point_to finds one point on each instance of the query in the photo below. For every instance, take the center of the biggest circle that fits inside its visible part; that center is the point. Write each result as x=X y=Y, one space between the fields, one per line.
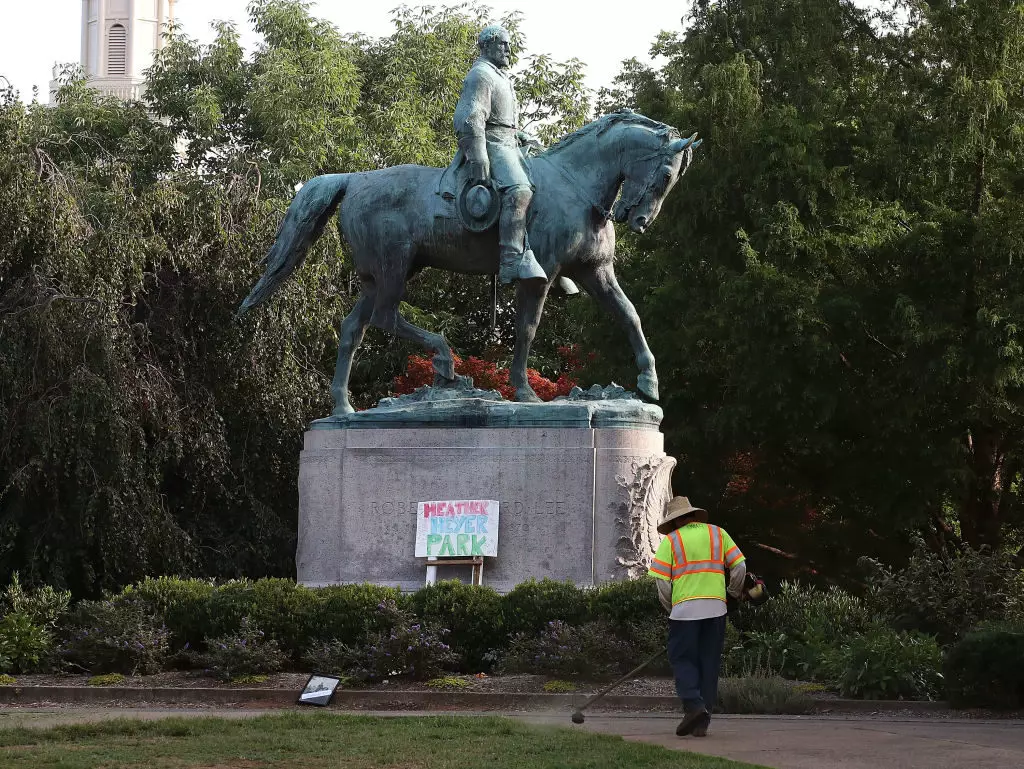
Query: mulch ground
x=492 y=684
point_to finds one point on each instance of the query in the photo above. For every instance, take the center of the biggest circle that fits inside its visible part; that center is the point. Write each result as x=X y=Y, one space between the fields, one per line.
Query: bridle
x=622 y=206
x=602 y=211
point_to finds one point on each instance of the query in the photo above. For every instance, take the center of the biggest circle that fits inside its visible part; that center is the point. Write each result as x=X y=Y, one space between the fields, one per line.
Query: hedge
x=986 y=668
x=300 y=620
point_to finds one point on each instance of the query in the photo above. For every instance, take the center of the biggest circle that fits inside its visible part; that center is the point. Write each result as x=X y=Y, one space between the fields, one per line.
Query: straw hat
x=680 y=507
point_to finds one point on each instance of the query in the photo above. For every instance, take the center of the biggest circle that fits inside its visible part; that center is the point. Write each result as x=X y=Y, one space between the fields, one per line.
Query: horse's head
x=648 y=179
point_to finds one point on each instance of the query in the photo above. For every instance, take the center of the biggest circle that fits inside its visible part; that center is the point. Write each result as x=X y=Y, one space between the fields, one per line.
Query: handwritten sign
x=454 y=529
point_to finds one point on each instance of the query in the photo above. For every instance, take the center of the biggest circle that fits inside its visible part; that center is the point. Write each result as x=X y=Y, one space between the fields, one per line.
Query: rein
x=602 y=211
x=577 y=188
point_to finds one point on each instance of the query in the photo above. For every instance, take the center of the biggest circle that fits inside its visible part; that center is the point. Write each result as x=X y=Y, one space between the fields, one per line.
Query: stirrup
x=522 y=266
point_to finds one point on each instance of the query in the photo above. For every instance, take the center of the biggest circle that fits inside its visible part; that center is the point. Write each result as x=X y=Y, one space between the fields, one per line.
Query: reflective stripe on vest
x=698 y=563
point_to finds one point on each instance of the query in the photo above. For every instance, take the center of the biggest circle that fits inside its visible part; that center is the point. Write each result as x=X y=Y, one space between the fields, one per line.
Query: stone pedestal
x=577 y=503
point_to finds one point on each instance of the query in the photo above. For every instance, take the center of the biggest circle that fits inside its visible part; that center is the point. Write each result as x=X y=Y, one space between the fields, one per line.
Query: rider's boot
x=517 y=259
x=520 y=266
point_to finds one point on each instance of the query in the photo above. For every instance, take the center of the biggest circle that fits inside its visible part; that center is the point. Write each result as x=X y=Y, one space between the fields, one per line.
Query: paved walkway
x=831 y=743
x=785 y=742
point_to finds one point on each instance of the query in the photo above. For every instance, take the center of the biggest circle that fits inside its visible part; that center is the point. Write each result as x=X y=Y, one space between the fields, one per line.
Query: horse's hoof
x=343 y=410
x=647 y=386
x=458 y=380
x=527 y=395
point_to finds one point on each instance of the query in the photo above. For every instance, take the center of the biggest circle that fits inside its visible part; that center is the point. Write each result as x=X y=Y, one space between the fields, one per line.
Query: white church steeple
x=119 y=38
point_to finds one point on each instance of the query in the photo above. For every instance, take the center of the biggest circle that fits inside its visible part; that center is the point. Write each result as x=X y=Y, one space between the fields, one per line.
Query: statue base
x=580 y=490
x=466 y=406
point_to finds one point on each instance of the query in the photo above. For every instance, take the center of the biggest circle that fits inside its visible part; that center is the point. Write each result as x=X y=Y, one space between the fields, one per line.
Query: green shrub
x=107 y=679
x=626 y=604
x=184 y=605
x=645 y=639
x=350 y=613
x=6 y=680
x=761 y=695
x=23 y=644
x=44 y=606
x=592 y=651
x=732 y=649
x=409 y=649
x=247 y=651
x=119 y=635
x=288 y=612
x=293 y=615
x=229 y=604
x=328 y=657
x=945 y=595
x=472 y=614
x=791 y=634
x=530 y=606
x=986 y=668
x=886 y=664
x=763 y=654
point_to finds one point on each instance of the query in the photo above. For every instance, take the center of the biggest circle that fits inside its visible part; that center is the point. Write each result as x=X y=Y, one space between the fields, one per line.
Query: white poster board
x=461 y=528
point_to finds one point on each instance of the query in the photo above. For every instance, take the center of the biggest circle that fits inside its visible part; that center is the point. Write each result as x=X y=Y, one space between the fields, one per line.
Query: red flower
x=489 y=376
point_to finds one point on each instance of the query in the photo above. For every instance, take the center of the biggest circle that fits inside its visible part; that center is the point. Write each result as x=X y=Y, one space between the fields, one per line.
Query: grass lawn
x=314 y=740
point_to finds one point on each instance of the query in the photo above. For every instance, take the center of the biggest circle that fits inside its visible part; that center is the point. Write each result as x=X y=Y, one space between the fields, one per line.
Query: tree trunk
x=980 y=520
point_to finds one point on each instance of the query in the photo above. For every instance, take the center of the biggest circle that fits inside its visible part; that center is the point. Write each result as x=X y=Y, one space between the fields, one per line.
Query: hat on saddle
x=680 y=508
x=478 y=205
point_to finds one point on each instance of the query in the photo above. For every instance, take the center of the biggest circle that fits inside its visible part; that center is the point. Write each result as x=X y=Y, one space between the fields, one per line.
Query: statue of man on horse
x=398 y=221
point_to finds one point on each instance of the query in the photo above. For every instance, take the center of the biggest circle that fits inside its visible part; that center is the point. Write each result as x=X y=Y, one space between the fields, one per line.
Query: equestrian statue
x=503 y=207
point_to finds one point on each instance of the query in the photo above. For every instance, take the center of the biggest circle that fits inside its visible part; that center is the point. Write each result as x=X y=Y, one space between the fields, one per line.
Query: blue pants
x=695 y=653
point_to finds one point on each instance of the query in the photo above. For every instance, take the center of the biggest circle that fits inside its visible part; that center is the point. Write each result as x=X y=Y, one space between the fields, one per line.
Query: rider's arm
x=471 y=115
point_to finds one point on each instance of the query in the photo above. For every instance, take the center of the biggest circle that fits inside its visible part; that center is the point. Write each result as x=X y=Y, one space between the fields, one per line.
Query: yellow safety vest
x=694 y=558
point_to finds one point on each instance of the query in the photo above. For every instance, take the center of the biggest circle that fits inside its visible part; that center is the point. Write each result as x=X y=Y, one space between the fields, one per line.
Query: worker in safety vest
x=690 y=567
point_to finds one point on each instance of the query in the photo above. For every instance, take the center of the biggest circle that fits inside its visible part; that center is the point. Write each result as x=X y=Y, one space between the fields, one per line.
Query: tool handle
x=628 y=675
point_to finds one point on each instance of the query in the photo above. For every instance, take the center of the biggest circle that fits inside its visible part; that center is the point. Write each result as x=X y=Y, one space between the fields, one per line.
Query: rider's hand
x=528 y=140
x=479 y=172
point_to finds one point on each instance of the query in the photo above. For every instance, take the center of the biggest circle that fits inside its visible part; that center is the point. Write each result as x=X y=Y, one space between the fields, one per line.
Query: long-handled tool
x=577 y=716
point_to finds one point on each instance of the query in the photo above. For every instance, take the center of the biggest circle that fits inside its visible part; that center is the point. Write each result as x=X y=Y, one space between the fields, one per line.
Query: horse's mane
x=603 y=123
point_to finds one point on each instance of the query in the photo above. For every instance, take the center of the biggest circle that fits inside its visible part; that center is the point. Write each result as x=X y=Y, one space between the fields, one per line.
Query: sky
x=36 y=34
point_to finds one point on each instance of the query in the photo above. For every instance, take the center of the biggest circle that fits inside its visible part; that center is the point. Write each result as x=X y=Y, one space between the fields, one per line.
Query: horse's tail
x=304 y=222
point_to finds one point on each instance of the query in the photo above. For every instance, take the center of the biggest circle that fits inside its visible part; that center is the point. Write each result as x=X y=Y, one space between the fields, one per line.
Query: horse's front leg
x=599 y=281
x=529 y=305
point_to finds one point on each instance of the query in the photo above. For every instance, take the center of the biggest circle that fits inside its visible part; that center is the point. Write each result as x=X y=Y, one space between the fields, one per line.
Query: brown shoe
x=691 y=720
x=701 y=729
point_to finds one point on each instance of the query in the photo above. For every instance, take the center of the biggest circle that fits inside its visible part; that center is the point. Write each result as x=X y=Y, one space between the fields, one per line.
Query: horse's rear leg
x=387 y=318
x=349 y=339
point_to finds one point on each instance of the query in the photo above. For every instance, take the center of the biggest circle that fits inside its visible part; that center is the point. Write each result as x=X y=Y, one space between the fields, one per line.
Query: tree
x=830 y=295
x=145 y=431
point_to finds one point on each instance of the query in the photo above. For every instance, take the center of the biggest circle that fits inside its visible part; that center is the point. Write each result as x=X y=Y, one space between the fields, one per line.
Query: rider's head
x=496 y=46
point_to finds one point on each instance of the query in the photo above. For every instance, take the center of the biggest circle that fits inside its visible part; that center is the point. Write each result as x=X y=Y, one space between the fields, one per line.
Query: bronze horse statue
x=395 y=224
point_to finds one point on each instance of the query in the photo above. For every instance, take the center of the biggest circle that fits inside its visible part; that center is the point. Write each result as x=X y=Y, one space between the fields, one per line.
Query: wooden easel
x=477 y=562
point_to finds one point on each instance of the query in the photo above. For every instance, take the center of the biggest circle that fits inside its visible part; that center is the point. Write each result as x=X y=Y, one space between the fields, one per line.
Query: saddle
x=476 y=206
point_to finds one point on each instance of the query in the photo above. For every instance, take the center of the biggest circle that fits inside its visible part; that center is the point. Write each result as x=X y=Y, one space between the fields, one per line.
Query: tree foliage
x=145 y=430
x=832 y=297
